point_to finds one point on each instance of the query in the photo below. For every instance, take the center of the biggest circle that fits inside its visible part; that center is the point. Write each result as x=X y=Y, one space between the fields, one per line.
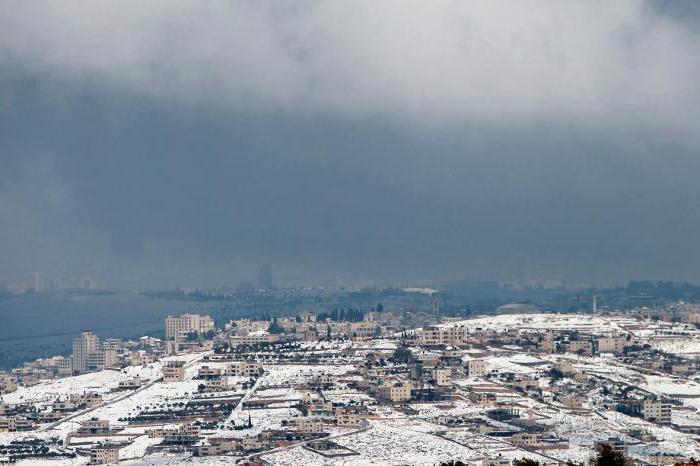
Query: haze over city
x=350 y=233
x=149 y=145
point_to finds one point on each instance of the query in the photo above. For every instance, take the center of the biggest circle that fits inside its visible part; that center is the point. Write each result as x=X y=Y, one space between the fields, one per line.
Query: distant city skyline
x=529 y=277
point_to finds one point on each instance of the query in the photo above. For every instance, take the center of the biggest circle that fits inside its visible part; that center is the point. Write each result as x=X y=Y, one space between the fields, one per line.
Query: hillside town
x=376 y=387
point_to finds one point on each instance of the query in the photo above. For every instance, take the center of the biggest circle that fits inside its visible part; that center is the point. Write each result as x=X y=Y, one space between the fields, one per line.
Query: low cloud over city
x=167 y=142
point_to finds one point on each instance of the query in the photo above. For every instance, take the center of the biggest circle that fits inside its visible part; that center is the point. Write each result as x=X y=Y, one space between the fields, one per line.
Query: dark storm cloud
x=157 y=143
x=438 y=61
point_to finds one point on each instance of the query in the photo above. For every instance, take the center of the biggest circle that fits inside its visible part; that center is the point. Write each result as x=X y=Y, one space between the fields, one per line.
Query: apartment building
x=94 y=426
x=89 y=399
x=476 y=367
x=16 y=424
x=581 y=346
x=394 y=391
x=132 y=384
x=257 y=338
x=162 y=432
x=104 y=454
x=657 y=411
x=56 y=366
x=611 y=344
x=572 y=401
x=442 y=376
x=435 y=335
x=616 y=443
x=85 y=347
x=217 y=384
x=141 y=358
x=206 y=372
x=180 y=326
x=309 y=425
x=7 y=384
x=173 y=371
x=525 y=439
x=668 y=459
x=244 y=369
x=63 y=366
x=101 y=359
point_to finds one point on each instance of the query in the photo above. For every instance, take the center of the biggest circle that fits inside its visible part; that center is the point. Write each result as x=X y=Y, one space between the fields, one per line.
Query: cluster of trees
x=343 y=315
x=555 y=374
x=337 y=315
x=275 y=328
x=244 y=351
x=195 y=336
x=663 y=289
x=33 y=448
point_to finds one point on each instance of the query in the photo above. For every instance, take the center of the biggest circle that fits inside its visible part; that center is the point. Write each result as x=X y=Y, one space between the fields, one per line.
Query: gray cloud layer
x=475 y=61
x=154 y=142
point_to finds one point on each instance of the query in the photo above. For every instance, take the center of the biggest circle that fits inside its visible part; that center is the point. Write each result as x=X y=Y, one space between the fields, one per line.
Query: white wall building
x=180 y=326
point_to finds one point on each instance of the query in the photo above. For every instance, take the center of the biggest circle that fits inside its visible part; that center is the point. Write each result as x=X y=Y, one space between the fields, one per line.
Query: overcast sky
x=154 y=143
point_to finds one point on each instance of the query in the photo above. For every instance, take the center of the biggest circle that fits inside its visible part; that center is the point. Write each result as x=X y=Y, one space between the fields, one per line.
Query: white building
x=180 y=326
x=657 y=411
x=84 y=345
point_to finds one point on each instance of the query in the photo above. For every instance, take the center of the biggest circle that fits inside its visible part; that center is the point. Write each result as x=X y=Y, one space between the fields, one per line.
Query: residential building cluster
x=308 y=389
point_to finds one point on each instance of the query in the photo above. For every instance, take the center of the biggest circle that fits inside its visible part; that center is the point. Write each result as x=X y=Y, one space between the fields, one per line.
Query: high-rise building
x=180 y=326
x=37 y=281
x=265 y=277
x=85 y=347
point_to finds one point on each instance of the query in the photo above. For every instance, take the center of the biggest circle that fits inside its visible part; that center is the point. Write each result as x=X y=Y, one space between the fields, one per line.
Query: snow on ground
x=98 y=382
x=669 y=440
x=377 y=345
x=575 y=453
x=552 y=321
x=102 y=382
x=384 y=443
x=157 y=394
x=171 y=459
x=262 y=419
x=484 y=446
x=137 y=449
x=327 y=345
x=78 y=461
x=688 y=345
x=584 y=430
x=277 y=394
x=670 y=386
x=451 y=408
x=511 y=364
x=7 y=437
x=348 y=396
x=581 y=430
x=290 y=374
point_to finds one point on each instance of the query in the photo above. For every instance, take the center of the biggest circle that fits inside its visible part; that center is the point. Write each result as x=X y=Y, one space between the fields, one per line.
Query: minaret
x=595 y=304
